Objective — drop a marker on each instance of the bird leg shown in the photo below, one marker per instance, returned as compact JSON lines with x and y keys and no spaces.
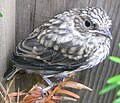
{"x":58,"y":86}
{"x":60,"y":76}
{"x":49,"y":91}
{"x":44,"y":94}
{"x":49,"y":82}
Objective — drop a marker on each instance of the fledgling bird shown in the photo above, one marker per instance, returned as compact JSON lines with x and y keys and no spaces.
{"x":72,"y":41}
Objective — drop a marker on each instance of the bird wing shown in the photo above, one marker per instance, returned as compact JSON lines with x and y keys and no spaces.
{"x":53,"y":44}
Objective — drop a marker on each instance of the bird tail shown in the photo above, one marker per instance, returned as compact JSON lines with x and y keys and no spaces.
{"x":10,"y":73}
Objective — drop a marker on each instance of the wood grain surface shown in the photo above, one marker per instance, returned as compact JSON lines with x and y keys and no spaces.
{"x":31,"y":13}
{"x":7,"y":34}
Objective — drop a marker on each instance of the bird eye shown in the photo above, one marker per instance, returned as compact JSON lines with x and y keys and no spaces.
{"x":87,"y":23}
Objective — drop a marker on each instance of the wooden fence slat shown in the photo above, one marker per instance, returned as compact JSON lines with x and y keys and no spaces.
{"x":7,"y":34}
{"x":24,"y":12}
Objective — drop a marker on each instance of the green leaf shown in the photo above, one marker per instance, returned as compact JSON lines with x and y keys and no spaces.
{"x":118,"y":93}
{"x":118,"y":82}
{"x":117,"y":100}
{"x":108,"y":88}
{"x":1,"y":15}
{"x":119,"y":45}
{"x":115,"y":59}
{"x":114,"y":79}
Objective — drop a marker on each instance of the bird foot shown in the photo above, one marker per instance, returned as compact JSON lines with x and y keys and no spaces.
{"x":42,"y":94}
{"x":58,"y":87}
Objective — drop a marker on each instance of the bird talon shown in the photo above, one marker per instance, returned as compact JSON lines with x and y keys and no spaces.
{"x":47,"y":89}
{"x":59,"y":86}
{"x":72,"y":75}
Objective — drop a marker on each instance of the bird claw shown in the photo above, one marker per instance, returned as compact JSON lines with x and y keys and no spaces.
{"x":45,"y":90}
{"x":52,"y":85}
{"x":47,"y":94}
{"x":59,"y":86}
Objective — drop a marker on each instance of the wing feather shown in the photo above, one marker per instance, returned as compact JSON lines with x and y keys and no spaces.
{"x":51,"y":44}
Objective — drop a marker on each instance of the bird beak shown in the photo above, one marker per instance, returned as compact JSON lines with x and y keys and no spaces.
{"x":105,"y":32}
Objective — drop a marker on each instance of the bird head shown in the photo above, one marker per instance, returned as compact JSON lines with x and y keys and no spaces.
{"x":95,"y":21}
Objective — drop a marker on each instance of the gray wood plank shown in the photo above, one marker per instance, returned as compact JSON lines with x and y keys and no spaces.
{"x":24,"y":18}
{"x":7,"y":34}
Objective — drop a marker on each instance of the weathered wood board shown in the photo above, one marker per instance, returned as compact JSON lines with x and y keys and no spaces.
{"x":7,"y":34}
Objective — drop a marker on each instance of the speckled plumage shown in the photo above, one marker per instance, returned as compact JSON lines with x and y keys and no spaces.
{"x":74,"y":40}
